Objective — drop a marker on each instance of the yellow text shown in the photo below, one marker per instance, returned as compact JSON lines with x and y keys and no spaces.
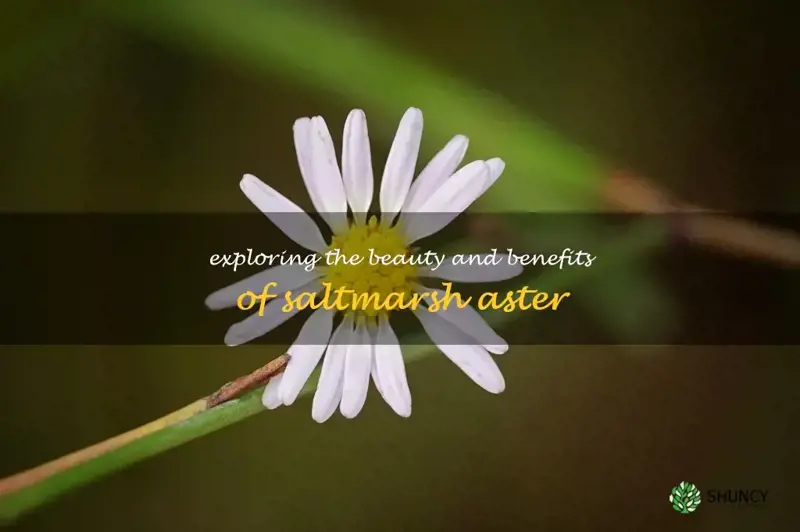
{"x":345,"y":299}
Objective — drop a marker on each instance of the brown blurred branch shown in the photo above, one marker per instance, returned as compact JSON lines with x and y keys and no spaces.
{"x":699,"y":226}
{"x":704,"y":227}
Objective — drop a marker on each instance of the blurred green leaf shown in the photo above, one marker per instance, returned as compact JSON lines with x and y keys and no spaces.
{"x":544,"y":172}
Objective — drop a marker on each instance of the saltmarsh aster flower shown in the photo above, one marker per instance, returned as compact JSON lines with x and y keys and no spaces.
{"x":363,"y":344}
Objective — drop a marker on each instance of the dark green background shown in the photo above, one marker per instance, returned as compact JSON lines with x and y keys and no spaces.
{"x":96,"y":115}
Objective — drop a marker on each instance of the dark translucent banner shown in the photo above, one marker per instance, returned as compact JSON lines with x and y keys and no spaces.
{"x":156,"y":278}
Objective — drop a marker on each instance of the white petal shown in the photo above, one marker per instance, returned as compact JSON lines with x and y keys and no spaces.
{"x":357,"y":365}
{"x":287,"y":277}
{"x":450,"y":200}
{"x":436,"y":173}
{"x":323,"y":413}
{"x":469,"y":321}
{"x":475,"y":272}
{"x":325,"y":179}
{"x":324,"y":187}
{"x":255,"y":326}
{"x":458,"y":192}
{"x":303,"y":148}
{"x":271,"y":399}
{"x":375,"y":377}
{"x":391,"y":371}
{"x":496,"y":167}
{"x":357,"y":164}
{"x":473,"y":359}
{"x":305,"y":353}
{"x":329,"y":388}
{"x":289,"y":218}
{"x":401,"y":163}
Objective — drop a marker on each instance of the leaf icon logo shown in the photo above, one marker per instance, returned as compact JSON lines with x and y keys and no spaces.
{"x":685,"y":498}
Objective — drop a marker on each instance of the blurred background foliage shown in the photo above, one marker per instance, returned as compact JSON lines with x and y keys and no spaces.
{"x":162,"y":105}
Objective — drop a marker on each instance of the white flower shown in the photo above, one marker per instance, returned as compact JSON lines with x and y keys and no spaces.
{"x":364,"y":344}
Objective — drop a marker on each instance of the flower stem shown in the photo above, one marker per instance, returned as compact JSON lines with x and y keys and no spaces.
{"x":35,"y":486}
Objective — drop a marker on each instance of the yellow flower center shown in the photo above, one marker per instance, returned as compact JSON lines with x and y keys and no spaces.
{"x":375,"y":244}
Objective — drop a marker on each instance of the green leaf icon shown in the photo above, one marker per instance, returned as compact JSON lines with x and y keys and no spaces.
{"x":685,"y":498}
